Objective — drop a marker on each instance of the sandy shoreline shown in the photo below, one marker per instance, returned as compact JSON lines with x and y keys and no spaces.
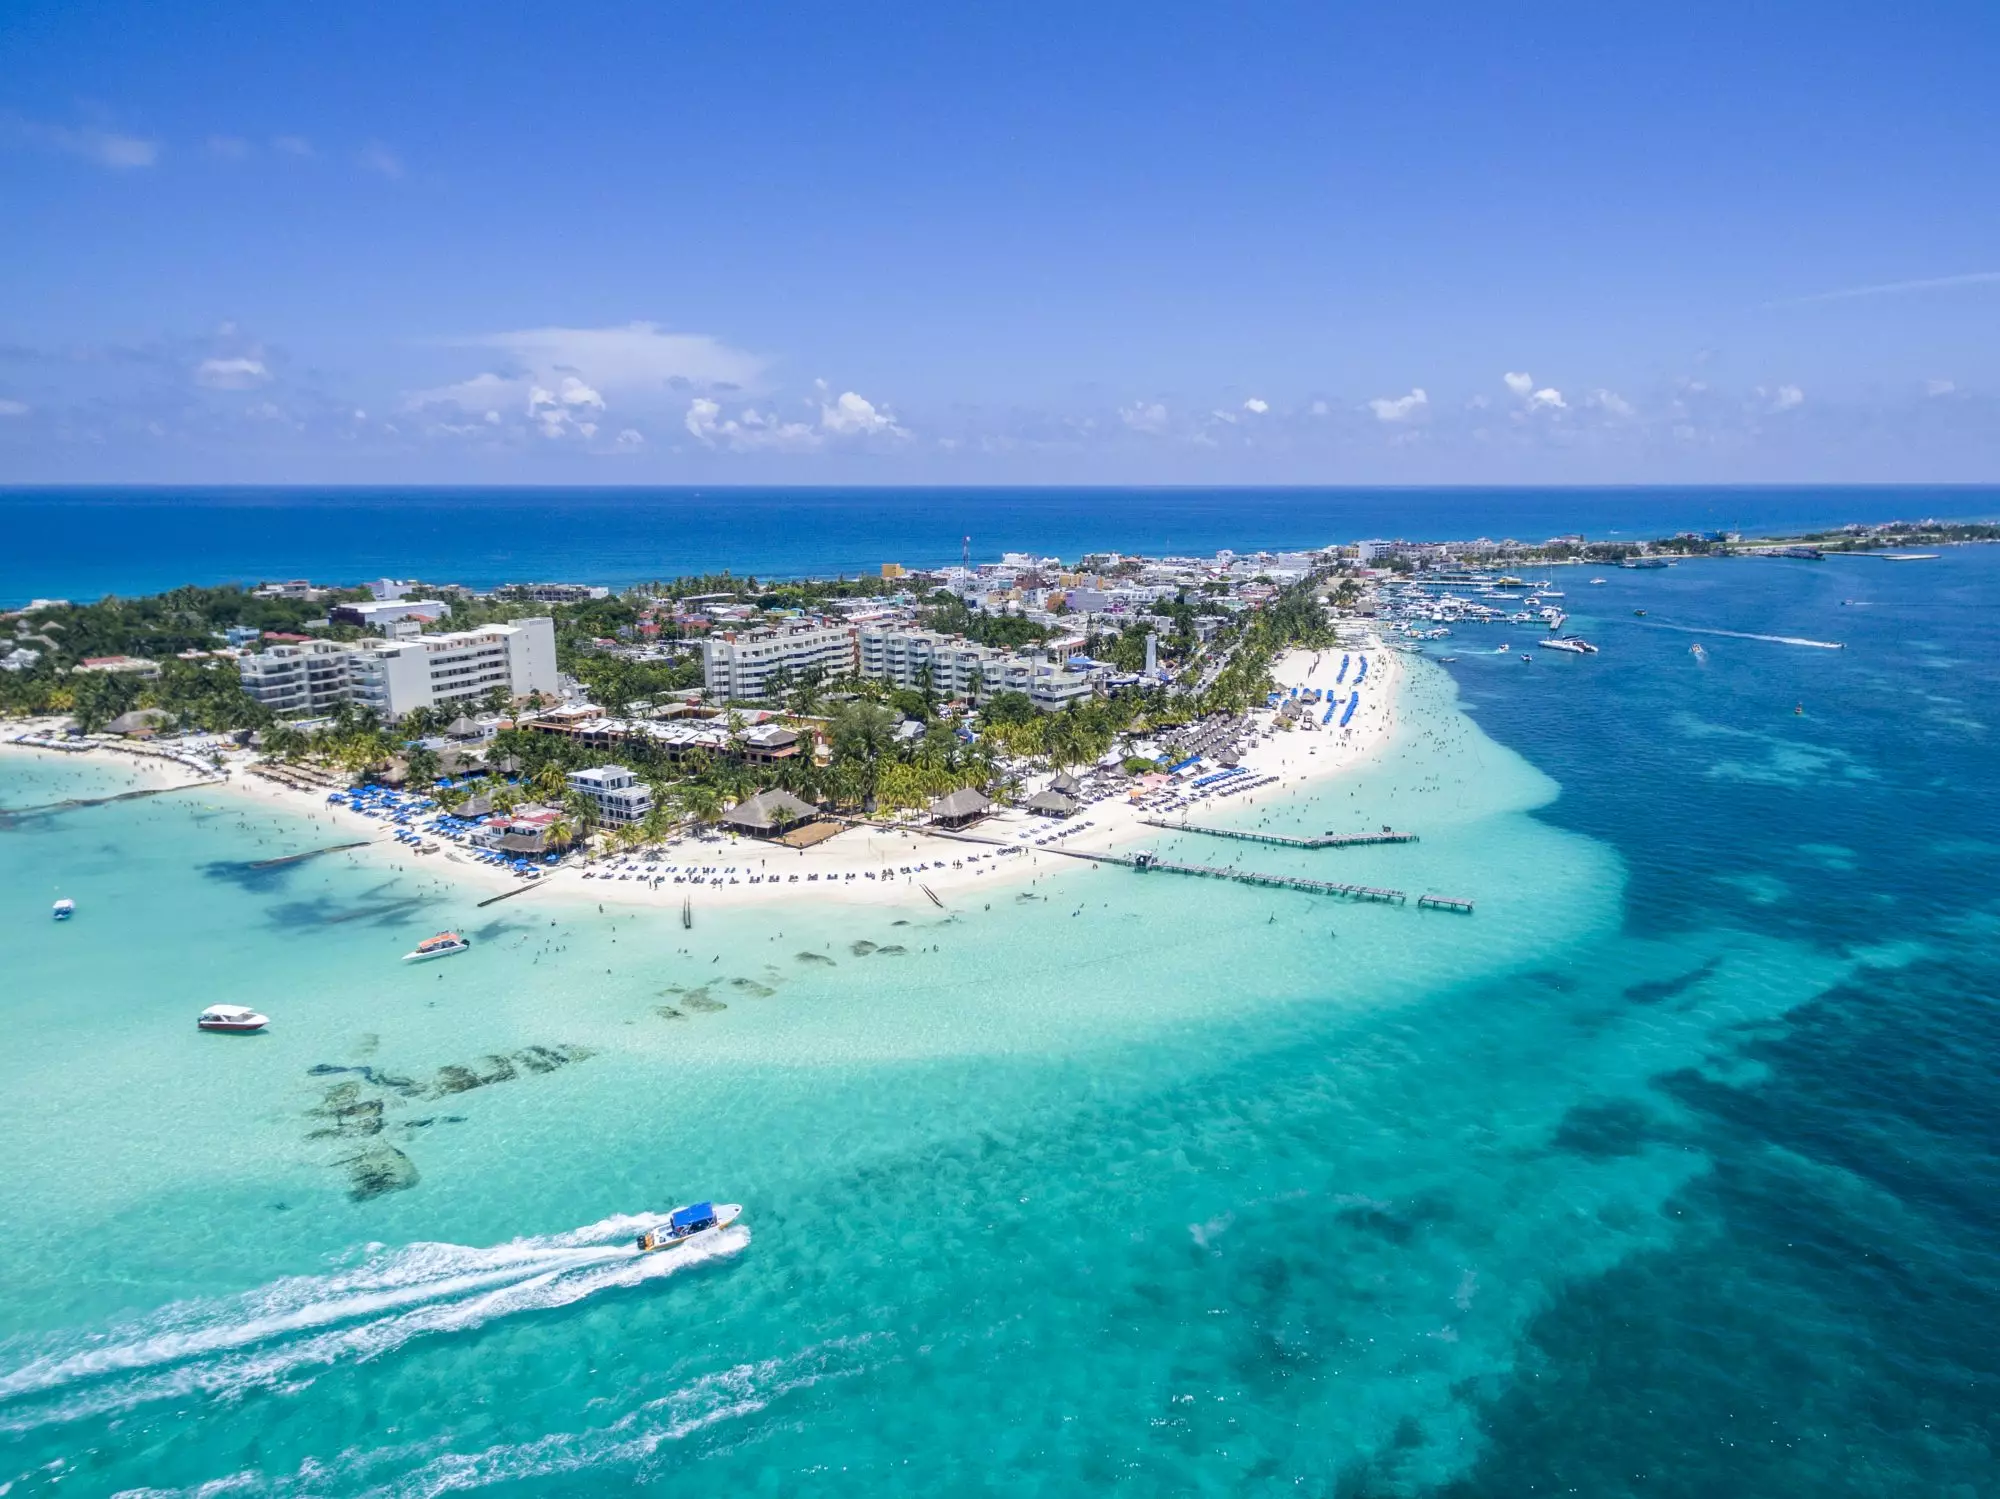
{"x":865,"y":865}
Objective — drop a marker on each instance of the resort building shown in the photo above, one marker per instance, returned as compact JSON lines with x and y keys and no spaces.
{"x":437,"y":670}
{"x":956,"y":668}
{"x":303,"y":677}
{"x":394,"y":676}
{"x":742,"y":664}
{"x":620,"y":797}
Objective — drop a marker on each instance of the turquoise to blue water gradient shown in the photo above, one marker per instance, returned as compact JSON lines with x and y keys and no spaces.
{"x":1669,"y":1170}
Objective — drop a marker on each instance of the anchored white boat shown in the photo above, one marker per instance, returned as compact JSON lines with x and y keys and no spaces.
{"x":688,"y":1223}
{"x":443,"y":945}
{"x":1573,"y":646}
{"x":233,"y":1018}
{"x":64,"y":909}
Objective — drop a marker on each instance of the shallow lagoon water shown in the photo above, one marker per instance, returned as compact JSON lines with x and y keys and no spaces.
{"x":1143,"y":1180}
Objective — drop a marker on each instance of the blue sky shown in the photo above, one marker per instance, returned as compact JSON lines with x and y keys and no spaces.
{"x":1144,"y":243}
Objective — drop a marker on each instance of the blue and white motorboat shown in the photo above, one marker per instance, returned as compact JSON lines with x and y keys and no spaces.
{"x":64,"y":909}
{"x":689,"y":1223}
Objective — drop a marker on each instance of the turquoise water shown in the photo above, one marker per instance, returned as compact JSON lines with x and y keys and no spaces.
{"x":1668,"y":1170}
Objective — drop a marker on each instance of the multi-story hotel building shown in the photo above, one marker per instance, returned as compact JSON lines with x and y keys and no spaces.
{"x":395,"y":676}
{"x":958,"y":668}
{"x":740,"y":664}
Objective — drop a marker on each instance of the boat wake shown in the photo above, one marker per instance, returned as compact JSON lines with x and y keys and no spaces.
{"x":281,"y":1332}
{"x":1820,"y":645}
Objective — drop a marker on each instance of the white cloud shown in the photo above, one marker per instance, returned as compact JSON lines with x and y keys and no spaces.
{"x":629,"y":440}
{"x":1939,"y":387}
{"x":853,"y":415}
{"x":1319,"y":408}
{"x":376,"y":157}
{"x":750,"y":431}
{"x":229,"y":147}
{"x":633,"y":357}
{"x":240,"y":373}
{"x":1399,"y":408}
{"x":1785,"y":397}
{"x":1609,"y":401}
{"x":93,"y":143}
{"x":1257,"y":405}
{"x":13,"y":408}
{"x":481,"y":392}
{"x":1548,"y":398}
{"x":292,"y":145}
{"x":1145,"y":416}
{"x":1518,"y":381}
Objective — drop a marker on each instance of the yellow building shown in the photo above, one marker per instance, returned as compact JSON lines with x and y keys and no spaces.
{"x":892,"y":569}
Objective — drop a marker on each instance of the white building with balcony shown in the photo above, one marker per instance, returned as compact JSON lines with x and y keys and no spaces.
{"x":742,"y":664}
{"x":394,"y":676}
{"x":957,"y":668}
{"x":620,"y":797}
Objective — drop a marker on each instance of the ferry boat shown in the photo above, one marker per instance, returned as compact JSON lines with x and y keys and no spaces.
{"x":443,"y":945}
{"x":688,"y":1223}
{"x":235,"y":1019}
{"x":64,"y":909}
{"x":1573,"y":646}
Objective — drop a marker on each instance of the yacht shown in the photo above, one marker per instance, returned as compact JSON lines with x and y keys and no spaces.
{"x":64,"y":909}
{"x":688,"y":1223}
{"x":443,"y":945}
{"x":1574,"y":647}
{"x":235,"y":1019}
{"x":1597,"y":582}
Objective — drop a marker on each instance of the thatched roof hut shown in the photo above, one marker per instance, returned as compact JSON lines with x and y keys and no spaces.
{"x":768,"y":814}
{"x":961,"y":807}
{"x":1051,"y":803}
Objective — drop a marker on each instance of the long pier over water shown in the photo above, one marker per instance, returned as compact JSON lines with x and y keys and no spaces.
{"x":1283,"y":840}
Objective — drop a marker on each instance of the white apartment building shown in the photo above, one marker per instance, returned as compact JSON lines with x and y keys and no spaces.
{"x":959,"y":668}
{"x":620,"y":797}
{"x":433,"y":671}
{"x":394,"y":676}
{"x":740,"y":664}
{"x":297,"y":679}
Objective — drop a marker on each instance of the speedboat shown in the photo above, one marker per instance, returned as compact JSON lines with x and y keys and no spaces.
{"x":443,"y":945}
{"x":1573,"y":646}
{"x":64,"y":909}
{"x":688,"y":1223}
{"x":1596,"y":582}
{"x":232,"y":1018}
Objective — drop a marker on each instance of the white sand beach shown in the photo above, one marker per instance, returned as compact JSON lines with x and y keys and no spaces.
{"x":880,"y":864}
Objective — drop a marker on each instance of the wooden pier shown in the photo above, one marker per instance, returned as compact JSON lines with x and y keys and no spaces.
{"x":1283,"y":840}
{"x":1444,"y":903}
{"x":1144,"y":862}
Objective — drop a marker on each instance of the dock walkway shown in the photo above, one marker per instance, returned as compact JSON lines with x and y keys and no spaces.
{"x":1283,"y":840}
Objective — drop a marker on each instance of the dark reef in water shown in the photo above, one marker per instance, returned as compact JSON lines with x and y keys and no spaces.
{"x":861,"y":948}
{"x":815,"y":957}
{"x":1607,"y":1131}
{"x":1653,"y":992}
{"x":377,"y":1170}
{"x":348,"y":1113}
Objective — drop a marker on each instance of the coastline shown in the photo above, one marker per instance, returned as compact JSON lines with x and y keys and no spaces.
{"x":866,"y":865}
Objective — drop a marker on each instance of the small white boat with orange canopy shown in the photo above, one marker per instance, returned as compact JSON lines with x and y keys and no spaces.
{"x":443,"y":945}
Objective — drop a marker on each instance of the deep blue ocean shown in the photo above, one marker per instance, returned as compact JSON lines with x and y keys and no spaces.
{"x":1674,"y":1171}
{"x":84,"y":543}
